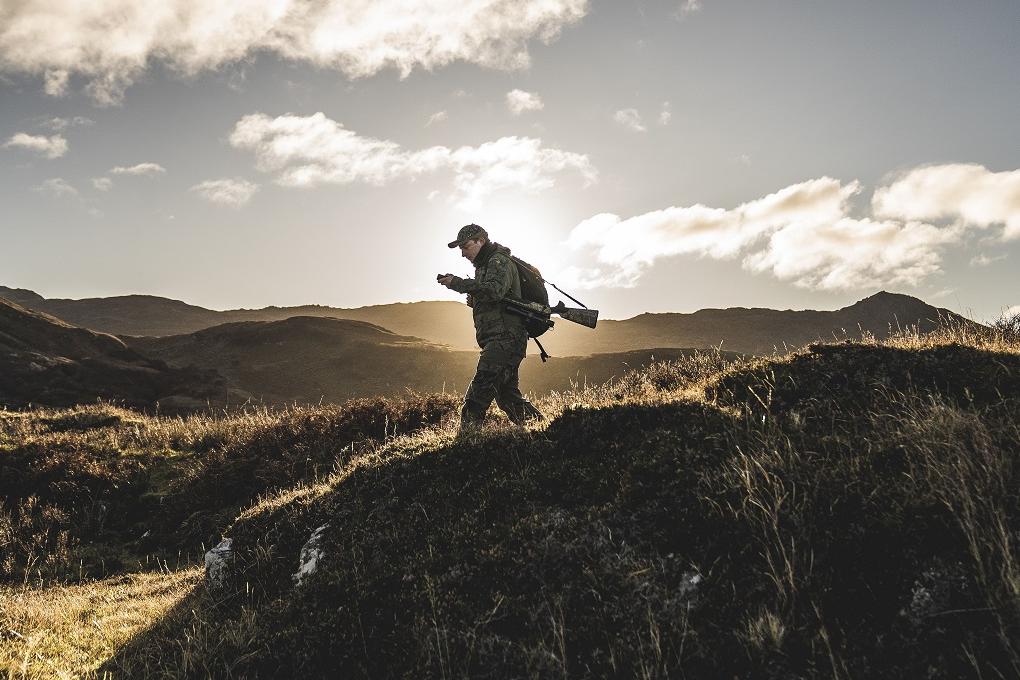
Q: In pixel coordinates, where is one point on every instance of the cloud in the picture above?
(630, 119)
(665, 113)
(306, 151)
(744, 159)
(49, 147)
(982, 260)
(688, 7)
(519, 101)
(437, 117)
(140, 169)
(102, 183)
(229, 192)
(967, 192)
(57, 188)
(54, 80)
(852, 253)
(805, 233)
(629, 246)
(110, 43)
(61, 124)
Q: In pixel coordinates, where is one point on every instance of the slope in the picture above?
(46, 361)
(846, 510)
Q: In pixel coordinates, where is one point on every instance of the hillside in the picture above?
(791, 520)
(749, 331)
(847, 509)
(46, 361)
(312, 359)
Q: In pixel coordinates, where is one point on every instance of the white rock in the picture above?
(311, 554)
(217, 564)
(689, 583)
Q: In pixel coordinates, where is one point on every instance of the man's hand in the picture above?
(445, 279)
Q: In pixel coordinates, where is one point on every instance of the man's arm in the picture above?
(494, 285)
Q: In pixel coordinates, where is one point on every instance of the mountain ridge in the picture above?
(753, 330)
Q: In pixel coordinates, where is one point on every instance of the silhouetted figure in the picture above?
(499, 333)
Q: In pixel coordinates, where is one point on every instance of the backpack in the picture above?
(533, 291)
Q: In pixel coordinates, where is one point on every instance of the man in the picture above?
(499, 333)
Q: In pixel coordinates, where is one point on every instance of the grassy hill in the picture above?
(44, 360)
(845, 510)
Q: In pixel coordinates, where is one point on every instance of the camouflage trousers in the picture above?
(497, 378)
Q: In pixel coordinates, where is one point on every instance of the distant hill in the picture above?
(308, 359)
(739, 329)
(45, 361)
(149, 315)
(302, 359)
(753, 331)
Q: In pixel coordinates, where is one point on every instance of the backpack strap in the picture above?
(544, 354)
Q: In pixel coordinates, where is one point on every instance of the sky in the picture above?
(646, 156)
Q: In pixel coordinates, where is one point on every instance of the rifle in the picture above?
(537, 321)
(539, 313)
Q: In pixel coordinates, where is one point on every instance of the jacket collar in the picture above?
(486, 252)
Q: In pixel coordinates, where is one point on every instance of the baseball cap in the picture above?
(466, 233)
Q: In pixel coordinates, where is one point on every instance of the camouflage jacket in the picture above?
(495, 279)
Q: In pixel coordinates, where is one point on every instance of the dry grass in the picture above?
(68, 631)
(845, 510)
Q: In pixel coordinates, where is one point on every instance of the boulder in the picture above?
(217, 564)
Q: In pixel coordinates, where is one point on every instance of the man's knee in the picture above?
(483, 389)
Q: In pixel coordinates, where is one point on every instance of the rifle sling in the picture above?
(544, 355)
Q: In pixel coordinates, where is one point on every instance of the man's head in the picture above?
(470, 240)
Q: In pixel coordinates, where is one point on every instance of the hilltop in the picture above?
(846, 509)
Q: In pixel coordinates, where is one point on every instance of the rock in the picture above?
(217, 564)
(311, 554)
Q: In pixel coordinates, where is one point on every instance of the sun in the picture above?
(532, 228)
